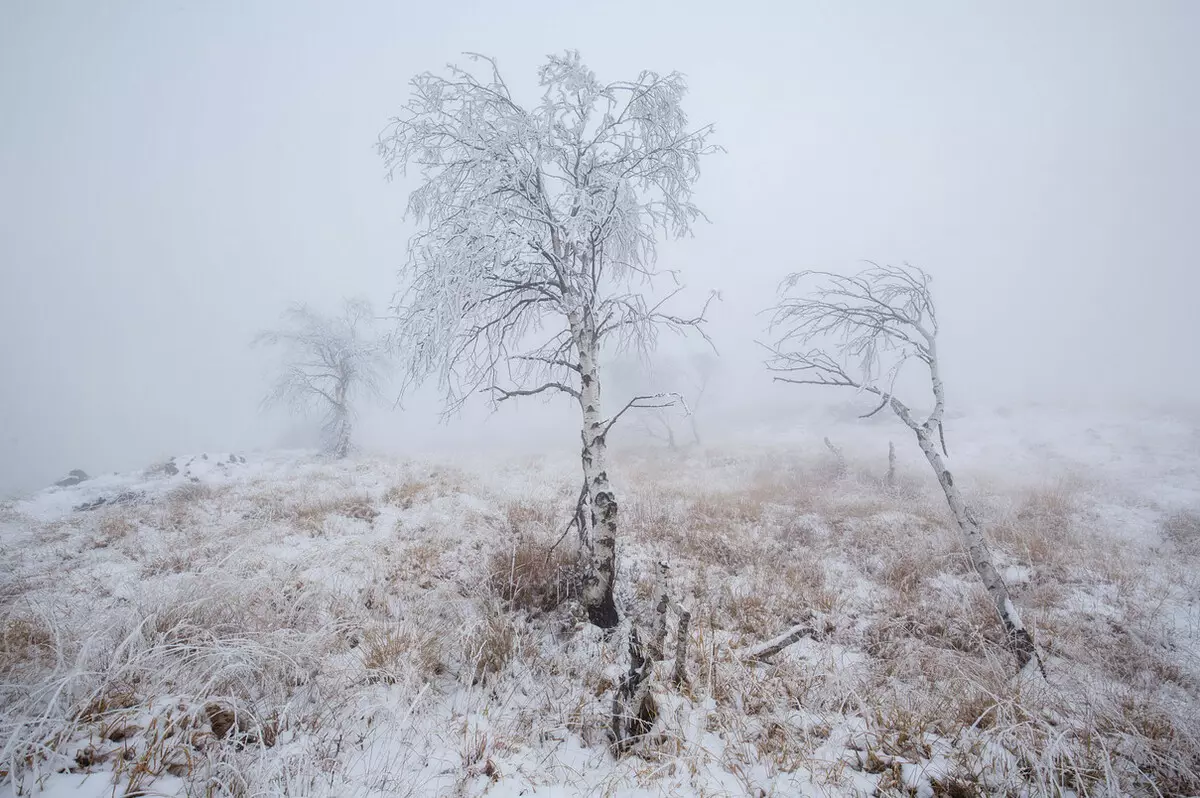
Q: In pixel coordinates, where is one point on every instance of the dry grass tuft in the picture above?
(110, 698)
(419, 561)
(438, 484)
(170, 561)
(190, 492)
(710, 528)
(390, 654)
(539, 518)
(906, 571)
(530, 577)
(1040, 531)
(312, 515)
(1167, 751)
(174, 516)
(24, 640)
(406, 494)
(115, 525)
(490, 645)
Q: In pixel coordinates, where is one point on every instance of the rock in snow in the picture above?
(73, 478)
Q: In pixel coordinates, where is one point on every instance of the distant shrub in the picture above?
(1183, 529)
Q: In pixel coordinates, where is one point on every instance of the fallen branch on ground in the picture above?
(770, 648)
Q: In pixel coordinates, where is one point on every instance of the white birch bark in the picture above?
(601, 511)
(978, 552)
(658, 643)
(891, 472)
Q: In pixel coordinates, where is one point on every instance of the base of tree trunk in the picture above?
(1025, 649)
(604, 614)
(633, 709)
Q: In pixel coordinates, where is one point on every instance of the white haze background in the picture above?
(172, 176)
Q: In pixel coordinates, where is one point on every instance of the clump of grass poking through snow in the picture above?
(530, 576)
(1182, 528)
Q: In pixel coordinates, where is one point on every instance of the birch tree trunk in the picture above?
(601, 574)
(341, 424)
(977, 550)
(891, 472)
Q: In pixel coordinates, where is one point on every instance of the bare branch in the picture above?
(882, 404)
(651, 401)
(550, 386)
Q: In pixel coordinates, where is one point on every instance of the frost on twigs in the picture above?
(538, 225)
(535, 249)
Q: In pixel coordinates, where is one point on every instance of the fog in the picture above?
(172, 176)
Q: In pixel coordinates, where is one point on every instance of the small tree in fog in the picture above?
(537, 246)
(687, 375)
(859, 332)
(697, 374)
(329, 363)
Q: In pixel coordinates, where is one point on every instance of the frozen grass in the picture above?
(395, 628)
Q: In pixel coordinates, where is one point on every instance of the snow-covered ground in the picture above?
(385, 626)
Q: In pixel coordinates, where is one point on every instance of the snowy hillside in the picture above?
(283, 625)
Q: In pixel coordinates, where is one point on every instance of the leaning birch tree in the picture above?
(536, 247)
(329, 363)
(859, 332)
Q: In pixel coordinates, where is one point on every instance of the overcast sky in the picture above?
(172, 175)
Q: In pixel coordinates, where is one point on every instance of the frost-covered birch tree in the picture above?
(329, 362)
(536, 246)
(859, 332)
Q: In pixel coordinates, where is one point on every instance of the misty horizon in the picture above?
(174, 178)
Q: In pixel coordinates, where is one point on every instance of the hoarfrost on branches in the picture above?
(536, 246)
(538, 226)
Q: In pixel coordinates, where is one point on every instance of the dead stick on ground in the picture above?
(772, 647)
